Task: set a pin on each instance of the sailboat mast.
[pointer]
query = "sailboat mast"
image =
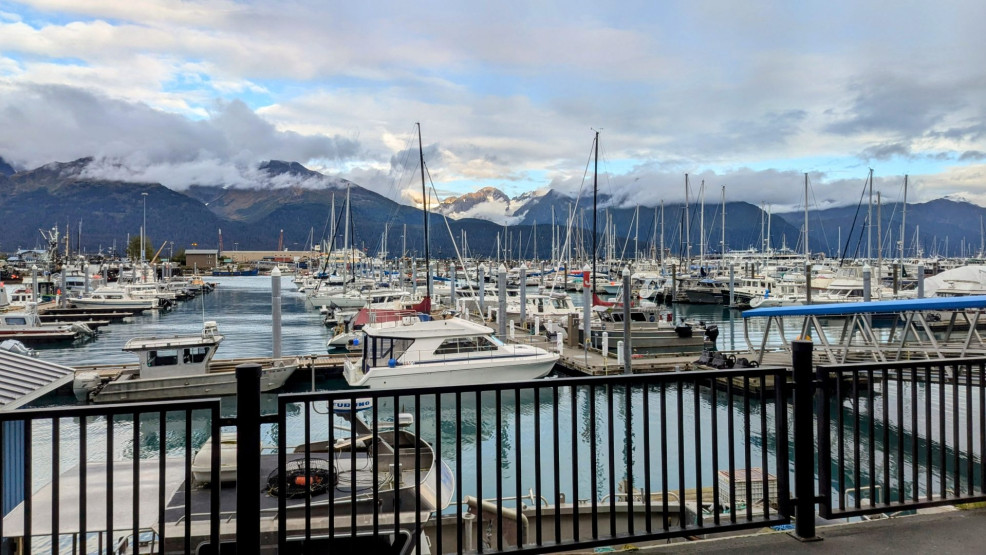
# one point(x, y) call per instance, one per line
point(807, 250)
point(722, 253)
point(595, 185)
point(869, 221)
point(687, 232)
point(903, 220)
point(424, 211)
point(662, 235)
point(701, 226)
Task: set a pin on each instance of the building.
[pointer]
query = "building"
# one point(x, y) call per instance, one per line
point(202, 259)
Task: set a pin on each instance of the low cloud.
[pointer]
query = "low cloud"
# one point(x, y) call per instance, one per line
point(134, 142)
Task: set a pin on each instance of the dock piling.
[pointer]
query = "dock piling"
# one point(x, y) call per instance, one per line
point(275, 305)
point(501, 314)
point(920, 281)
point(523, 294)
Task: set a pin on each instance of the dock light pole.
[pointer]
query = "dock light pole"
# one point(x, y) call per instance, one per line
point(501, 315)
point(143, 228)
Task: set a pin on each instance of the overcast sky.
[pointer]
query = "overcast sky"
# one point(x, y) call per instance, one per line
point(747, 95)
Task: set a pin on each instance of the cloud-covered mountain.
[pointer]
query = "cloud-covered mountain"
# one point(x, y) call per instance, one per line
point(490, 203)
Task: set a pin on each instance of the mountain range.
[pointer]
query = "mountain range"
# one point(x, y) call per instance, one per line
point(296, 203)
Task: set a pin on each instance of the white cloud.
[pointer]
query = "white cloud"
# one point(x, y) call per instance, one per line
point(745, 95)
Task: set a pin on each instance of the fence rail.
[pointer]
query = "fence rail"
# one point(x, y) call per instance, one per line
point(533, 467)
point(900, 436)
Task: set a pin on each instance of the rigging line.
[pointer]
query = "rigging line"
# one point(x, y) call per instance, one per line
point(468, 292)
point(821, 224)
point(845, 249)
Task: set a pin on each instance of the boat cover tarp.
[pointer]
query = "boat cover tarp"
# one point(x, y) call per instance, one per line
point(23, 379)
point(972, 278)
point(872, 307)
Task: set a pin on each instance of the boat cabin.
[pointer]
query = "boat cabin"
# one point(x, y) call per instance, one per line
point(164, 357)
point(411, 341)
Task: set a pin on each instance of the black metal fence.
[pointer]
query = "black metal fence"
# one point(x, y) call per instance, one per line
point(534, 467)
point(900, 436)
point(105, 474)
point(600, 460)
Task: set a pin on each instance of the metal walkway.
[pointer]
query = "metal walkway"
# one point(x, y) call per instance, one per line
point(24, 379)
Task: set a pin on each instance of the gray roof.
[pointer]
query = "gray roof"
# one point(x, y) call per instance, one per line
point(201, 251)
point(23, 379)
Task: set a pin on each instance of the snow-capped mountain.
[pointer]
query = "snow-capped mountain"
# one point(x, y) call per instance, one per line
point(490, 203)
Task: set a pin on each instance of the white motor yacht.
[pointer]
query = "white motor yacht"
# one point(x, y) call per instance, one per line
point(413, 353)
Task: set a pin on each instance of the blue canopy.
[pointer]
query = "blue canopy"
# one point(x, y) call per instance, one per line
point(871, 307)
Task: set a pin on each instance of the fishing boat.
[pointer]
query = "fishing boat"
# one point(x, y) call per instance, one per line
point(411, 352)
point(172, 367)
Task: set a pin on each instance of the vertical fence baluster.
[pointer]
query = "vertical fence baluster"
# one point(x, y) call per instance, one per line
point(645, 402)
point(135, 493)
point(871, 440)
point(680, 412)
point(628, 441)
point(697, 416)
point(479, 470)
point(731, 448)
point(517, 465)
point(611, 450)
point(714, 436)
point(840, 437)
point(110, 515)
point(747, 459)
point(857, 440)
point(915, 436)
point(901, 426)
point(575, 466)
point(929, 443)
point(162, 456)
point(499, 469)
point(943, 439)
point(765, 473)
point(593, 463)
point(56, 481)
point(537, 467)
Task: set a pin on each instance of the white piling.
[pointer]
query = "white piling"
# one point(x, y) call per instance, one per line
point(605, 345)
point(275, 304)
point(920, 281)
point(867, 282)
point(512, 329)
point(501, 315)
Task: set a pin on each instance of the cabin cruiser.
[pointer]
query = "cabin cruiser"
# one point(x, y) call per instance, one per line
point(115, 297)
point(27, 327)
point(173, 367)
point(410, 352)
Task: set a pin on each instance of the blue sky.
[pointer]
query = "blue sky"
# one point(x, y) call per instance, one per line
point(744, 94)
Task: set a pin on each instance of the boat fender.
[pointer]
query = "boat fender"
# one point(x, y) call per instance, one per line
point(355, 342)
point(669, 316)
point(392, 363)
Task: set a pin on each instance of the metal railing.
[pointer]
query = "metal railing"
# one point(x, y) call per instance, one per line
point(692, 454)
point(532, 467)
point(103, 475)
point(900, 436)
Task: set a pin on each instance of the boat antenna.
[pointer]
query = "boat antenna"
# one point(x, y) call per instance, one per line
point(424, 199)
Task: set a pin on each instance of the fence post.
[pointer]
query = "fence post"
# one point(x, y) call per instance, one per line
point(247, 457)
point(804, 444)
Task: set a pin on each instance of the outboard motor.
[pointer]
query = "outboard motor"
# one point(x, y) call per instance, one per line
point(711, 333)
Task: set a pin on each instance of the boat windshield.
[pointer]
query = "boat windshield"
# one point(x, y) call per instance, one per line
point(379, 350)
point(456, 345)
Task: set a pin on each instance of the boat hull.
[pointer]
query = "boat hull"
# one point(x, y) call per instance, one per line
point(214, 384)
point(441, 373)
